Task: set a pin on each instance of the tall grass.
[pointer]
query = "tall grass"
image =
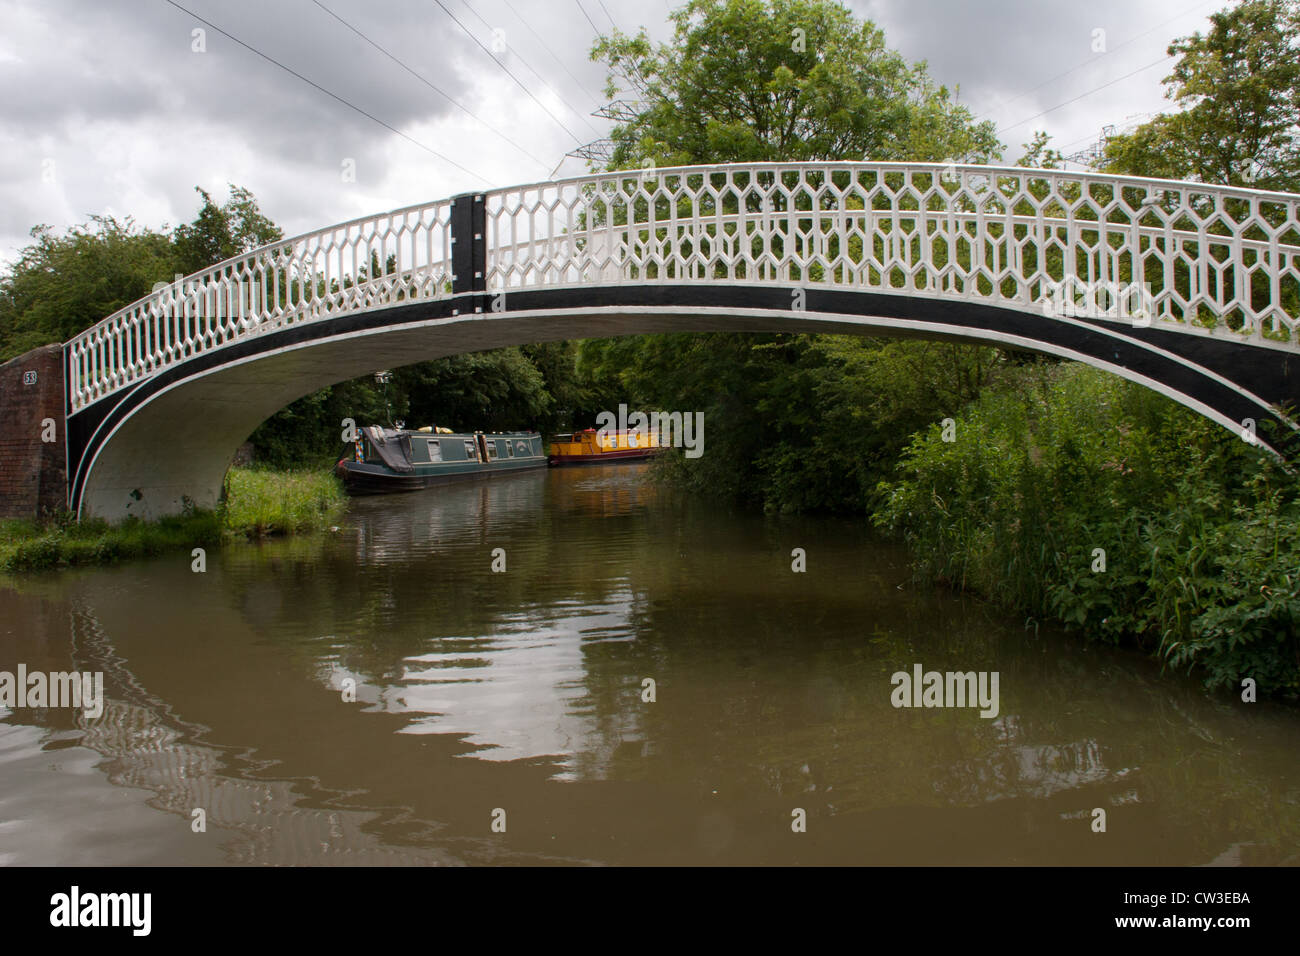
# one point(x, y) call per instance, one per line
point(257, 503)
point(260, 502)
point(29, 546)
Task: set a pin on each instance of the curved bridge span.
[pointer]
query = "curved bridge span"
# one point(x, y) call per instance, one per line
point(1189, 289)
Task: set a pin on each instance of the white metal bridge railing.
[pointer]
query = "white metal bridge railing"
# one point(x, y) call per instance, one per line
point(1197, 258)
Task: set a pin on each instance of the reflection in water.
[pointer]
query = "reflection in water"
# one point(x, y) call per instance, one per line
point(522, 690)
point(508, 680)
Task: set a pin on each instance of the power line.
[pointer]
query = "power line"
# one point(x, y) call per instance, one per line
point(332, 95)
point(1131, 122)
point(1092, 152)
point(1075, 99)
point(1081, 139)
point(588, 16)
point(445, 95)
point(607, 16)
point(520, 57)
point(518, 81)
point(545, 46)
point(630, 71)
point(987, 114)
point(1096, 149)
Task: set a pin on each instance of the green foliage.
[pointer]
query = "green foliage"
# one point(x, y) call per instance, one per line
point(28, 546)
point(60, 285)
point(761, 80)
point(722, 376)
point(1039, 155)
point(792, 422)
point(497, 390)
point(1201, 561)
point(575, 397)
point(308, 432)
point(257, 503)
point(260, 502)
point(1237, 89)
point(222, 232)
point(489, 390)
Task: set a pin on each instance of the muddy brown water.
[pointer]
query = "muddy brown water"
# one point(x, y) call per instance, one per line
point(515, 699)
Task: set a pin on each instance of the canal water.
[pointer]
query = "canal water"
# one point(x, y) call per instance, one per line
point(646, 682)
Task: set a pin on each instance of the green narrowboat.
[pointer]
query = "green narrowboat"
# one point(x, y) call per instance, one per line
point(384, 460)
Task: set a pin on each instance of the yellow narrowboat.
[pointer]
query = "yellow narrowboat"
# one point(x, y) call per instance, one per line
point(592, 447)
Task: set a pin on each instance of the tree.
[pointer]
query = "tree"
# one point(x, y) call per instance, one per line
point(222, 232)
point(60, 285)
point(760, 80)
point(1238, 92)
point(798, 422)
point(495, 390)
point(1039, 155)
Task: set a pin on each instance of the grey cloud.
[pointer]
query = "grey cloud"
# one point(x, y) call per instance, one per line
point(91, 68)
point(1007, 55)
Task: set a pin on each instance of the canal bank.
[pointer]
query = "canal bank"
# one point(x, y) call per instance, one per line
point(258, 502)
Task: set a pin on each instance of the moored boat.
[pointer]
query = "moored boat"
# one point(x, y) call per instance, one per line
point(384, 460)
point(592, 447)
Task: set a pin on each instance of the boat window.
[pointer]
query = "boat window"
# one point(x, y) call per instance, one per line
point(510, 449)
point(470, 451)
point(491, 450)
point(435, 451)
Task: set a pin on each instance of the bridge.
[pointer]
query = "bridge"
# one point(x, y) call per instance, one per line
point(1186, 288)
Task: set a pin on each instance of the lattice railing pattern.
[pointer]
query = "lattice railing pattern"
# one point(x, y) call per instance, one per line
point(1192, 257)
point(402, 256)
point(1199, 257)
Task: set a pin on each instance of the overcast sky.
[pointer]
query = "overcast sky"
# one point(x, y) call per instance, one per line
point(115, 107)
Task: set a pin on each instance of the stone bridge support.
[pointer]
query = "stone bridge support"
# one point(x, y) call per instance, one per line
point(33, 450)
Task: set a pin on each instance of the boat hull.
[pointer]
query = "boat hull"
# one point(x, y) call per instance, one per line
point(603, 458)
point(364, 478)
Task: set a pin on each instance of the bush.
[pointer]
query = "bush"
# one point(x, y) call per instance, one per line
point(1064, 467)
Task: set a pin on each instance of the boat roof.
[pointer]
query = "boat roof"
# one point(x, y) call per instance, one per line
point(415, 433)
point(608, 431)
